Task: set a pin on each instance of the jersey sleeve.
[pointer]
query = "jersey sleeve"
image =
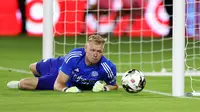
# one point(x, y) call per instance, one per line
point(110, 73)
point(67, 67)
point(70, 62)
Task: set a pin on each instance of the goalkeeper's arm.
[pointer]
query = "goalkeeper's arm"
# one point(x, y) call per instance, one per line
point(101, 86)
point(112, 87)
point(59, 84)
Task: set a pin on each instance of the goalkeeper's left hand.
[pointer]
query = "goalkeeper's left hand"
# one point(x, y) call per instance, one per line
point(99, 86)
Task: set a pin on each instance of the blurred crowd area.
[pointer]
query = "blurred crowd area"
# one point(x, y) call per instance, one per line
point(118, 17)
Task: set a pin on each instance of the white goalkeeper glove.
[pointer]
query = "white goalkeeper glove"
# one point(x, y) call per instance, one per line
point(73, 89)
point(99, 86)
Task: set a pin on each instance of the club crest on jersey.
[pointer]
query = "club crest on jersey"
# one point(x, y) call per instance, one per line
point(94, 73)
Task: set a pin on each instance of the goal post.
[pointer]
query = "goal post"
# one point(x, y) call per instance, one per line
point(47, 38)
point(178, 45)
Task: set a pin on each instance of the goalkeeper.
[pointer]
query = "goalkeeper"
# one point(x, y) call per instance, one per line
point(81, 69)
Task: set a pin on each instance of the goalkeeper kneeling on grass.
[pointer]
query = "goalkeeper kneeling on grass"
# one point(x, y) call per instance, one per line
point(81, 69)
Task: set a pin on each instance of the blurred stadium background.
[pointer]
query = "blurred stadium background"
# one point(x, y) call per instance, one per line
point(149, 49)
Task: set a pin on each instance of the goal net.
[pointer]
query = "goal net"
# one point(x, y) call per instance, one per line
point(137, 35)
point(192, 44)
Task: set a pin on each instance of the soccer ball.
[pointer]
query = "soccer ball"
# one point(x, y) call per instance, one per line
point(133, 81)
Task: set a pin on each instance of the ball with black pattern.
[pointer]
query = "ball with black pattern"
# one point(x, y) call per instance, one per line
point(133, 81)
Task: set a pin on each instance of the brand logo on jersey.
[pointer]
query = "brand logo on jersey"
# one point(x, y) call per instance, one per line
point(94, 73)
point(76, 70)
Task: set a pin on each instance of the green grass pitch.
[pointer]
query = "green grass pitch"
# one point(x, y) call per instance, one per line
point(18, 52)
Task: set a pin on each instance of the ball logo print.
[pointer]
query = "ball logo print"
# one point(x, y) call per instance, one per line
point(132, 80)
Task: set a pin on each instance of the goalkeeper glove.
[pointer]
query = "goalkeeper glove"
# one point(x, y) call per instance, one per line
point(73, 89)
point(99, 86)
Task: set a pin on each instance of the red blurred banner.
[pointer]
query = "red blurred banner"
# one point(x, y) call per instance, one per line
point(69, 18)
point(10, 18)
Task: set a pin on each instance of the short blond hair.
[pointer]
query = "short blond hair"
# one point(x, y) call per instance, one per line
point(97, 38)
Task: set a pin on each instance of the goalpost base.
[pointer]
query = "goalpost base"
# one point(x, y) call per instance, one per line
point(194, 93)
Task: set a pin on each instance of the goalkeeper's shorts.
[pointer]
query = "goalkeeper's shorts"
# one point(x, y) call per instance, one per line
point(48, 70)
point(49, 66)
point(46, 82)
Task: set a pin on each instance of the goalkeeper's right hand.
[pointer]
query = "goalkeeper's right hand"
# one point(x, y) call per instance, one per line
point(72, 89)
point(99, 86)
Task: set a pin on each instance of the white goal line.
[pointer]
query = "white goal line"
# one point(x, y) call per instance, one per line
point(166, 94)
point(15, 70)
point(189, 73)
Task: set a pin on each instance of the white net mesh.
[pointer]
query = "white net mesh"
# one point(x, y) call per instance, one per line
point(192, 51)
point(136, 33)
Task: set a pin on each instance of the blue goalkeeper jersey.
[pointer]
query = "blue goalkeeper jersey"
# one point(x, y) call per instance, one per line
point(80, 74)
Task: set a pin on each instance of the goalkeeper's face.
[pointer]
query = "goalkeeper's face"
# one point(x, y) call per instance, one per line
point(94, 52)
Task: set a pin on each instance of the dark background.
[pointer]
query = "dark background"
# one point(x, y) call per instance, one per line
point(22, 9)
point(169, 7)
